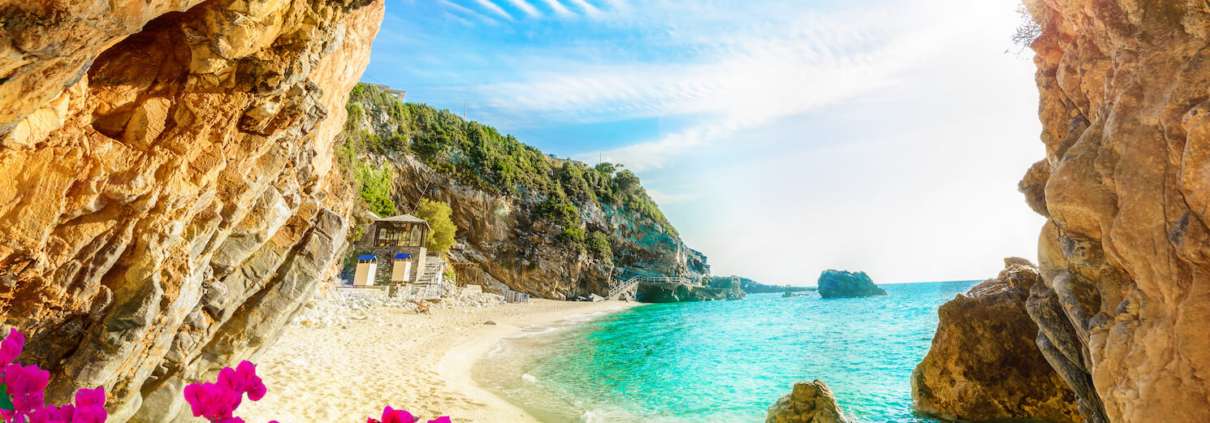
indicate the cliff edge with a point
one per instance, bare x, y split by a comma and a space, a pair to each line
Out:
169, 199
1125, 185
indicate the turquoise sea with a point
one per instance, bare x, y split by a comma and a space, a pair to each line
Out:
724, 361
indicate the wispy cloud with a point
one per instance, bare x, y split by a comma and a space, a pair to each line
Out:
755, 75
466, 12
492, 7
587, 7
558, 8
527, 8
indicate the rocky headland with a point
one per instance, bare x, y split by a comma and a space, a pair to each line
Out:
845, 284
169, 197
984, 364
715, 289
553, 228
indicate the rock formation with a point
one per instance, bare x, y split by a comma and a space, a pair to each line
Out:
169, 199
714, 290
808, 403
1125, 185
845, 284
984, 364
503, 236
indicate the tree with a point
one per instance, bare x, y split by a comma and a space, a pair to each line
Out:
441, 224
374, 185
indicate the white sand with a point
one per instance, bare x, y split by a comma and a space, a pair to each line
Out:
421, 363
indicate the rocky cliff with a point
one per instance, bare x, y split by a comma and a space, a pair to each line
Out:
553, 228
168, 196
1125, 185
984, 365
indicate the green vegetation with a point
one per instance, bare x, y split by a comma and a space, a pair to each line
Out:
481, 157
374, 185
441, 224
598, 245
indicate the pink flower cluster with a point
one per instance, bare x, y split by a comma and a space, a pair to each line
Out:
25, 391
391, 415
217, 401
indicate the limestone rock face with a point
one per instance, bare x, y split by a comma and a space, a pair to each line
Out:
808, 403
1125, 256
168, 198
502, 238
845, 284
984, 365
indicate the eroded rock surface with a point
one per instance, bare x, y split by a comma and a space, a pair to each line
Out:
1125, 255
809, 402
846, 284
984, 365
168, 197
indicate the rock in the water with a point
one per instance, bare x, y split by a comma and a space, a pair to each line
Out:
1125, 254
674, 293
168, 197
845, 284
984, 364
810, 402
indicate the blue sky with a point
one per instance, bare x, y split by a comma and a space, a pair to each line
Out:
781, 137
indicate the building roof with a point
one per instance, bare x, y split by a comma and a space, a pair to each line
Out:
403, 218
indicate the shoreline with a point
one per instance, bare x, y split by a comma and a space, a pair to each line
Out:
456, 365
391, 356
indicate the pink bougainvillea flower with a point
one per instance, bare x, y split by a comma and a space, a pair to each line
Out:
52, 414
11, 347
215, 402
26, 386
442, 419
391, 415
90, 406
243, 379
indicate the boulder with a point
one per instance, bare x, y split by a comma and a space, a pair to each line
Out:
169, 196
1125, 186
809, 402
984, 365
845, 284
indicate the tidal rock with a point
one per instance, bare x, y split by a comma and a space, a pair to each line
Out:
984, 365
169, 199
1125, 253
809, 402
845, 284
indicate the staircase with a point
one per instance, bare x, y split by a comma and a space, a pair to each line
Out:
433, 272
633, 283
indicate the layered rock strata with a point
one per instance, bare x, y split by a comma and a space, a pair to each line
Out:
169, 199
984, 365
1125, 185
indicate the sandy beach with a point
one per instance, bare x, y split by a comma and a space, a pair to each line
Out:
419, 362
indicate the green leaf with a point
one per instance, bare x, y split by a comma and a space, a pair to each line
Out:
6, 403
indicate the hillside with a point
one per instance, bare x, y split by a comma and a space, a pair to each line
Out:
753, 287
551, 227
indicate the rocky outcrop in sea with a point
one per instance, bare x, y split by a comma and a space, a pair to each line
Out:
169, 197
1125, 252
809, 402
845, 284
984, 365
714, 290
